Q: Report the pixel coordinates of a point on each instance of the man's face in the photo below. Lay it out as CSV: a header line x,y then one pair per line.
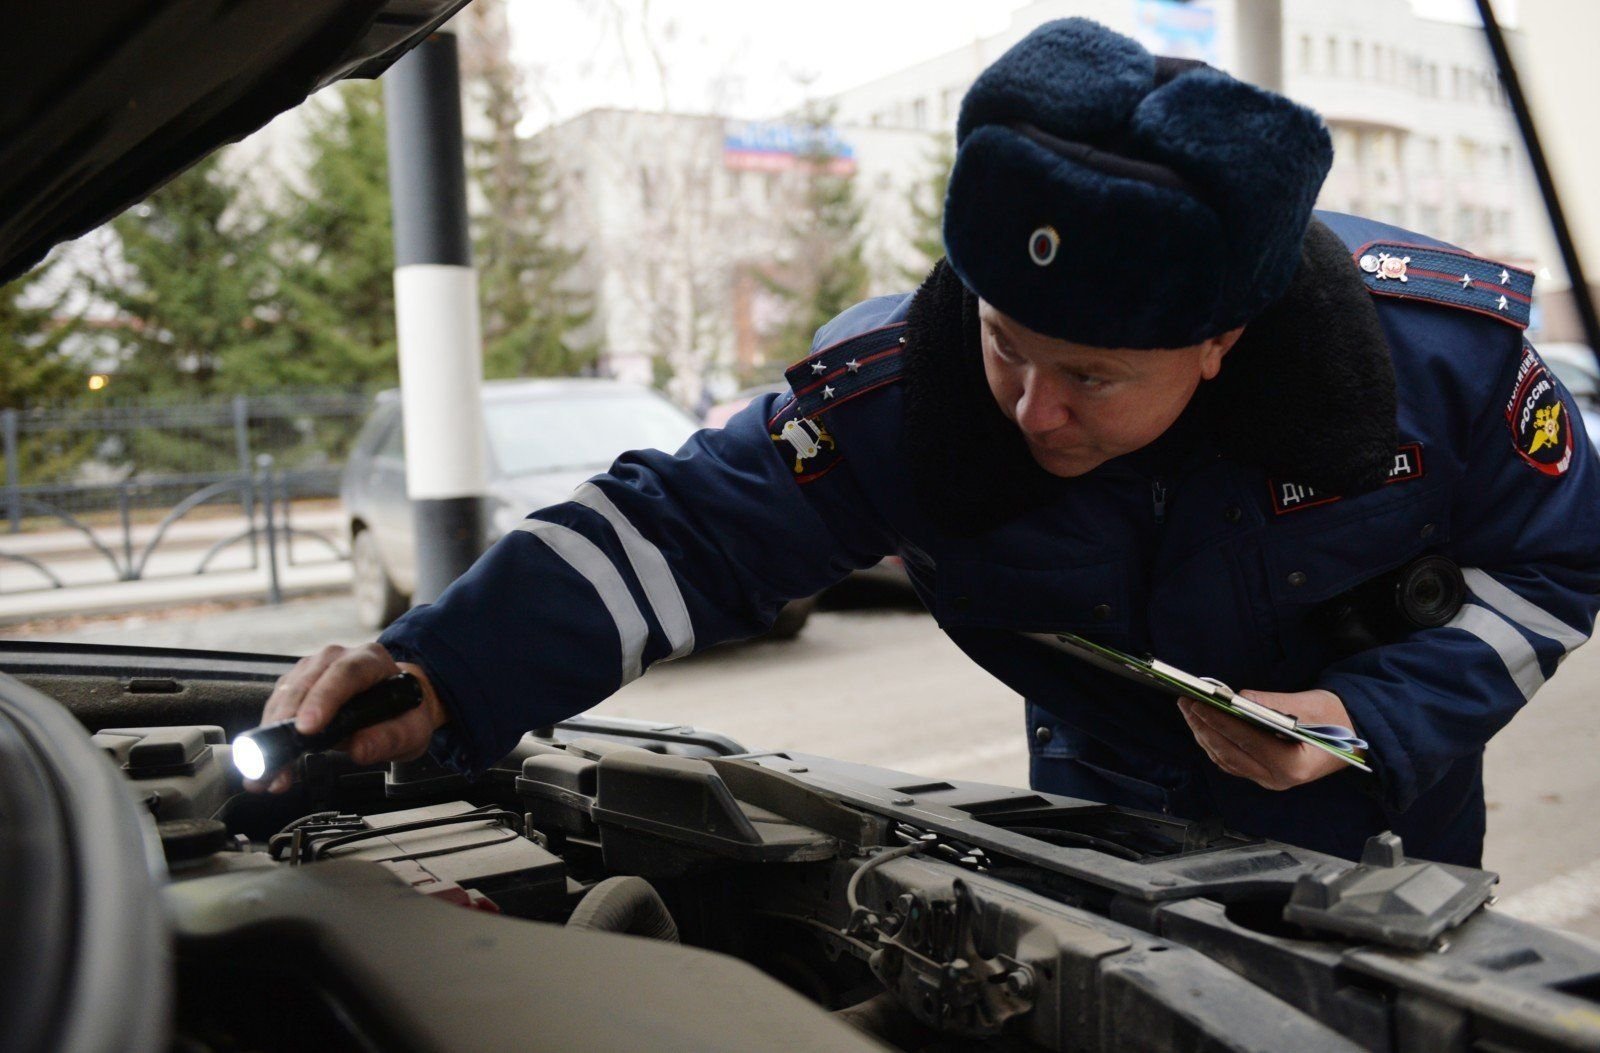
x,y
1079,406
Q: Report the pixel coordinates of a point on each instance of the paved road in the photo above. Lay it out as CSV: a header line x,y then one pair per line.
x,y
885,687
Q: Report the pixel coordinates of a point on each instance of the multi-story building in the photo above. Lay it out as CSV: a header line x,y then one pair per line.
x,y
1423,136
680,217
677,220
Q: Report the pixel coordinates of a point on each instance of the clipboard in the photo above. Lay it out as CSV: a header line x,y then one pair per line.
x,y
1340,741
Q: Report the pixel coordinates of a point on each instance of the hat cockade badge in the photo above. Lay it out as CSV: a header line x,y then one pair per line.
x,y
1042,246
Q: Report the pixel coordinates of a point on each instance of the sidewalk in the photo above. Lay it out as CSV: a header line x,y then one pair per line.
x,y
114,597
40,544
92,586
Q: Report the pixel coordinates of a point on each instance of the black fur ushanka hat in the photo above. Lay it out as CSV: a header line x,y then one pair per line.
x,y
1109,197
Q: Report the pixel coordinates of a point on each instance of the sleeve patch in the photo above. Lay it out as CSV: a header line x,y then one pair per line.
x,y
1540,422
803,443
1447,276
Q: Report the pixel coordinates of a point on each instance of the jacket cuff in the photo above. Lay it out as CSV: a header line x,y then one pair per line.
x,y
451,745
1393,781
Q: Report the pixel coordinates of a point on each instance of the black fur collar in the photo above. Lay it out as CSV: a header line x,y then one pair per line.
x,y
1308,393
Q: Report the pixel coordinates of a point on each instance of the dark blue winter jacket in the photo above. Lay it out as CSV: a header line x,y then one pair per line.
x,y
1385,408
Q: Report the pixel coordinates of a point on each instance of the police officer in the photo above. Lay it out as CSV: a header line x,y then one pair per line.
x,y
1149,398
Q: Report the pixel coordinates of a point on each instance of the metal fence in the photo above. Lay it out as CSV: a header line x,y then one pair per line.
x,y
255,454
76,459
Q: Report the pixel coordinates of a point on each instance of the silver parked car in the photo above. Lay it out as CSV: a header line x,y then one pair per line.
x,y
1577,368
544,438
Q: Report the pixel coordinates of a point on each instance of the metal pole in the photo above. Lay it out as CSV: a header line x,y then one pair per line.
x,y
274,592
247,491
286,494
1258,37
8,428
124,507
436,308
1547,184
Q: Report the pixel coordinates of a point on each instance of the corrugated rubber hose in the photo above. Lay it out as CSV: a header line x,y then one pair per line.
x,y
625,904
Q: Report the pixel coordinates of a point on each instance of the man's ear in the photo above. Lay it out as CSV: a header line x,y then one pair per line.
x,y
1212,351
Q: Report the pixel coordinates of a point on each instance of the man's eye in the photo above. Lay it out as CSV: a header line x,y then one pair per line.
x,y
1004,353
1088,380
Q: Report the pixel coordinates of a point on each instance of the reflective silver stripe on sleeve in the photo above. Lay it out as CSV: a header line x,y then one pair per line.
x,y
585,557
1517,653
1515,609
660,587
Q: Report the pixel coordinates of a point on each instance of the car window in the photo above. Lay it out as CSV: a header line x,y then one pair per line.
x,y
371,433
394,440
1574,365
543,435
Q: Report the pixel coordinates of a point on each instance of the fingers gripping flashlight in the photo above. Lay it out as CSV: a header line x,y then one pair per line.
x,y
267,749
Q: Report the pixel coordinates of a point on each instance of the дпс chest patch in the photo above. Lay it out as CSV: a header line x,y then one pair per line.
x,y
804,443
1540,423
1292,497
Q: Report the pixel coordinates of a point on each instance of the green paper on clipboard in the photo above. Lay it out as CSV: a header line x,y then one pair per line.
x,y
1151,672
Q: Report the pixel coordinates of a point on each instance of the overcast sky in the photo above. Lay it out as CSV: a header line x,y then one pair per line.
x,y
749,58
742,57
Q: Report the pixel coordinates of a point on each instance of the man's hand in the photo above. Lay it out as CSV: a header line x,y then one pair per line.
x,y
319,684
1257,754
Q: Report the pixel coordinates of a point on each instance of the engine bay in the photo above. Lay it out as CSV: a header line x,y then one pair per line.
x,y
619,883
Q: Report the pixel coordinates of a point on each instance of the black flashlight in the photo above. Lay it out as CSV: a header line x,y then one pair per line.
x,y
267,749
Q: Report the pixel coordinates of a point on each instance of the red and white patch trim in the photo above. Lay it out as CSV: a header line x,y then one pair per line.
x,y
1294,497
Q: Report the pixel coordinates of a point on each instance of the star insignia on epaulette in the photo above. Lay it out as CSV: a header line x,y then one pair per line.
x,y
853,366
1448,277
819,367
827,391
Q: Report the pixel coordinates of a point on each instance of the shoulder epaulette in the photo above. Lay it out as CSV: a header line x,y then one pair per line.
x,y
1447,276
847,369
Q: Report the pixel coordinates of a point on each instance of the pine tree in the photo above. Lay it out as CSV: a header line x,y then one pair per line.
x,y
190,276
530,310
827,271
186,283
38,369
333,304
927,211
34,366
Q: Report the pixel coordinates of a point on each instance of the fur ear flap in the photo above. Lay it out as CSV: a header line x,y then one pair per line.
x,y
1260,159
1165,292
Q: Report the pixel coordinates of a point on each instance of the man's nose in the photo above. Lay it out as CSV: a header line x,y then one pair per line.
x,y
1043,406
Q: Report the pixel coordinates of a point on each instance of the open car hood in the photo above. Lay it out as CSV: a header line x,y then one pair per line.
x,y
102,101
747,894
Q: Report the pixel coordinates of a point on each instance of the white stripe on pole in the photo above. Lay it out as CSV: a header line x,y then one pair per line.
x,y
441,373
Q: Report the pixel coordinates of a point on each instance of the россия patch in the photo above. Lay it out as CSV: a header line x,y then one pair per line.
x,y
1540,422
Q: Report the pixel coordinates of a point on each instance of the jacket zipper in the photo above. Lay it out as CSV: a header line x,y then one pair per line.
x,y
1158,499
